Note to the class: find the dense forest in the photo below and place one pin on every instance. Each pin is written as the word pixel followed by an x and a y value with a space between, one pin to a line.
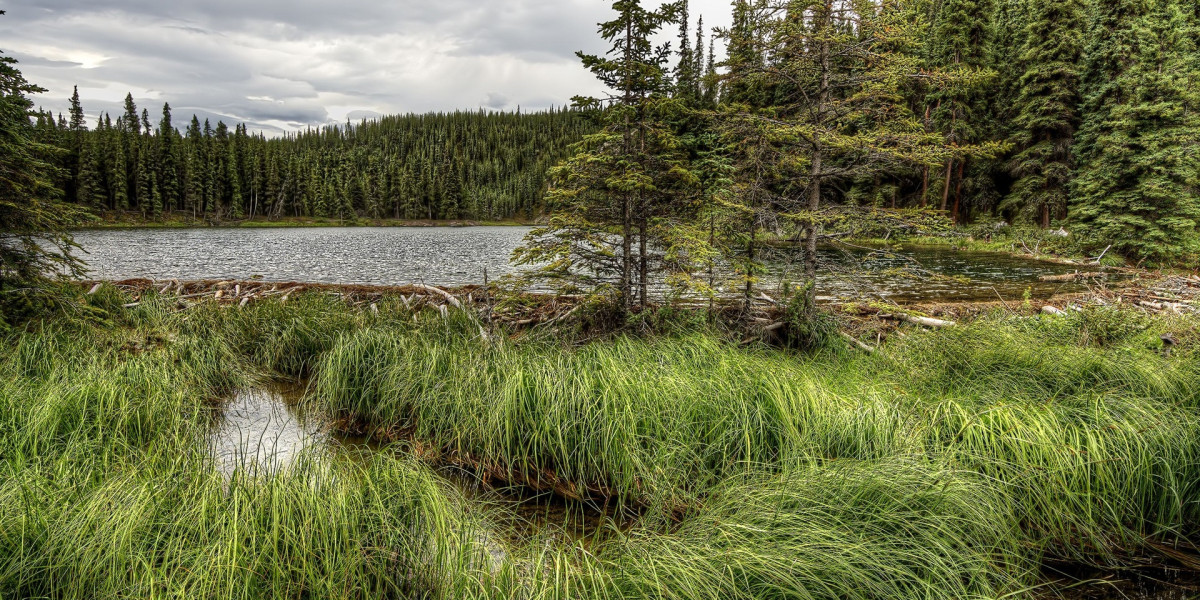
pixel 476 165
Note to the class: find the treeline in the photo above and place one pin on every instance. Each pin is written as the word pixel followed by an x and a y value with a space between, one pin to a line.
pixel 461 165
pixel 833 118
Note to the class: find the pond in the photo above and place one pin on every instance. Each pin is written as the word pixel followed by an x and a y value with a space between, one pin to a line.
pixel 463 256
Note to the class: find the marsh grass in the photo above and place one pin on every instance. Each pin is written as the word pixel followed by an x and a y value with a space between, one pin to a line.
pixel 947 465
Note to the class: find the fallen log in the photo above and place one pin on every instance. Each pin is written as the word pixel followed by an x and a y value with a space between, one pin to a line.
pixel 857 343
pixel 923 321
pixel 443 293
pixel 1071 277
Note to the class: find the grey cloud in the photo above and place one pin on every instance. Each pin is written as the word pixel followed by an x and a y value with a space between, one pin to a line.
pixel 282 65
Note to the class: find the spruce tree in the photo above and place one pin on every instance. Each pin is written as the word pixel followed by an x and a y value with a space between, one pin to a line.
pixel 610 200
pixel 960 44
pixel 78 120
pixel 1137 184
pixel 35 242
pixel 168 161
pixel 130 119
pixel 1048 104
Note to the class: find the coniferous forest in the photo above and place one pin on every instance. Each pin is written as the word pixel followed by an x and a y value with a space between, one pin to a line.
pixel 665 426
pixel 1049 113
pixel 462 165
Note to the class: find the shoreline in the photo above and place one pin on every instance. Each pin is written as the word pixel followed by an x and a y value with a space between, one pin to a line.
pixel 104 223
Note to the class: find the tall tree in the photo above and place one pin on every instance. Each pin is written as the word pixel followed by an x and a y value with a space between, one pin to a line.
pixel 1048 104
pixel 35 243
pixel 612 196
pixel 959 44
pixel 838 73
pixel 1137 186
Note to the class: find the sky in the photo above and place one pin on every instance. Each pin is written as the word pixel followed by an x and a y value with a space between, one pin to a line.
pixel 284 65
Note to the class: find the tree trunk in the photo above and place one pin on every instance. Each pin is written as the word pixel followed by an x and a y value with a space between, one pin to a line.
pixel 946 187
pixel 958 191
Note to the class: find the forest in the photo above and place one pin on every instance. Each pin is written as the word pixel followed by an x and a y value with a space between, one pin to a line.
pixel 476 165
pixel 1051 113
pixel 619 440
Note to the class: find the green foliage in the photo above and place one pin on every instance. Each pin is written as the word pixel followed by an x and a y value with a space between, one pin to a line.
pixel 952 461
pixel 621 202
pixel 438 166
pixel 1048 117
pixel 35 244
pixel 1138 187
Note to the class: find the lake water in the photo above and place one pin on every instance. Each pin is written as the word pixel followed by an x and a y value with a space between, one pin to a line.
pixel 461 256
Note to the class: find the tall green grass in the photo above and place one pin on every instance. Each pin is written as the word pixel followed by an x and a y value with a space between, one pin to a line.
pixel 944 466
pixel 1095 438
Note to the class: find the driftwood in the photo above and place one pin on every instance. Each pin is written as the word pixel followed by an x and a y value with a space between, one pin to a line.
pixel 923 321
pixel 1050 310
pixel 439 291
pixel 857 343
pixel 1072 276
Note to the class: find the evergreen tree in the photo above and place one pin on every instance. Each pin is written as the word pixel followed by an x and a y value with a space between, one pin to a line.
pixel 168 161
pixel 1136 188
pixel 35 243
pixel 78 121
pixel 959 44
pixel 130 119
pixel 1048 102
pixel 615 191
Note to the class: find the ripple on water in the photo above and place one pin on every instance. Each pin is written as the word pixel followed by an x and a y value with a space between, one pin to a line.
pixel 462 256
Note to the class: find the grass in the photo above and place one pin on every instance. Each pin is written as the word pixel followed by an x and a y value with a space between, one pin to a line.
pixel 948 465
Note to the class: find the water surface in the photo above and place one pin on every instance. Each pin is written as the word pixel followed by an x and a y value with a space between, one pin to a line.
pixel 466 255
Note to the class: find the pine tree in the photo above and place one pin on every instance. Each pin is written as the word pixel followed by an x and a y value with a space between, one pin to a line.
pixel 1137 184
pixel 1048 104
pixel 959 44
pixel 130 120
pixel 78 120
pixel 168 161
pixel 687 79
pixel 838 74
pixel 91 190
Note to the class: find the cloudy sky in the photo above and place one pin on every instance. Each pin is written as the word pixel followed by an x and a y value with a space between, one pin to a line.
pixel 282 65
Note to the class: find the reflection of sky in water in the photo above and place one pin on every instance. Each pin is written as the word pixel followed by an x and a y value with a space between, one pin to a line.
pixel 460 256
pixel 260 433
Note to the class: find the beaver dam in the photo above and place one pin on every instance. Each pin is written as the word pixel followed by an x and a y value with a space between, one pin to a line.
pixel 421 452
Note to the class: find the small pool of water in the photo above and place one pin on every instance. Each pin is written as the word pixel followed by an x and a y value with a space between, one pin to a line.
pixel 1077 583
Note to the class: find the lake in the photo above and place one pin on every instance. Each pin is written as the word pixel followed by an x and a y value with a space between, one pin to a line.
pixel 447 256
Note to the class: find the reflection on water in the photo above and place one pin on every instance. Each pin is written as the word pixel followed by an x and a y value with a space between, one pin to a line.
pixel 462 256
pixel 260 431
pixel 350 255
pixel 1156 584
